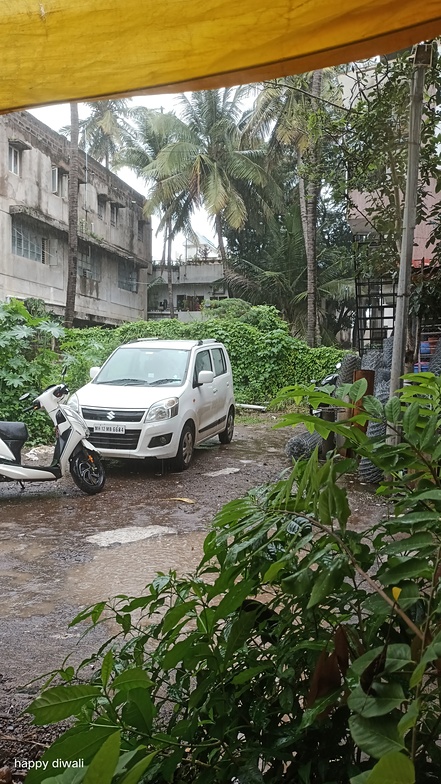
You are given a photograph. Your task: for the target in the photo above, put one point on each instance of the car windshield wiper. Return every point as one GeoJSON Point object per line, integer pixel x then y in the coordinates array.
{"type": "Point", "coordinates": [163, 381]}
{"type": "Point", "coordinates": [126, 382]}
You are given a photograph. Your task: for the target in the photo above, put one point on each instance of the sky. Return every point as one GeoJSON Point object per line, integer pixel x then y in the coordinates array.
{"type": "Point", "coordinates": [59, 115]}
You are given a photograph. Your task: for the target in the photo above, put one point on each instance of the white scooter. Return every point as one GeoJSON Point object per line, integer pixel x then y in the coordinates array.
{"type": "Point", "coordinates": [73, 452]}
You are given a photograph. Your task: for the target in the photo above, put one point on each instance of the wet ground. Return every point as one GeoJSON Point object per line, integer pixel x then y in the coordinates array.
{"type": "Point", "coordinates": [61, 550]}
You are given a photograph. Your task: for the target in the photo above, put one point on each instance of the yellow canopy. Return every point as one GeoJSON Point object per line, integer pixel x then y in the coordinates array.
{"type": "Point", "coordinates": [62, 50]}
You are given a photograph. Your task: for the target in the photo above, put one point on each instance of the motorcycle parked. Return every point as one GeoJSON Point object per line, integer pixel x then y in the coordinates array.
{"type": "Point", "coordinates": [73, 452]}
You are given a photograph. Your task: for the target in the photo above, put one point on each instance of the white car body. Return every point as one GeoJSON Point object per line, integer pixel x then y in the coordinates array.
{"type": "Point", "coordinates": [145, 413]}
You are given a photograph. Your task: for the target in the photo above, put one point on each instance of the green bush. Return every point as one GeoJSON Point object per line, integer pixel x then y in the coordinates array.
{"type": "Point", "coordinates": [28, 363]}
{"type": "Point", "coordinates": [264, 357]}
{"type": "Point", "coordinates": [301, 651]}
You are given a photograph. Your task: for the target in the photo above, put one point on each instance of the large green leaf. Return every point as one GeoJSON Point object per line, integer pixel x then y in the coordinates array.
{"type": "Point", "coordinates": [410, 419]}
{"type": "Point", "coordinates": [373, 406]}
{"type": "Point", "coordinates": [233, 599]}
{"type": "Point", "coordinates": [238, 634]}
{"type": "Point", "coordinates": [409, 719]}
{"type": "Point", "coordinates": [357, 389]}
{"type": "Point", "coordinates": [106, 668]}
{"type": "Point", "coordinates": [68, 776]}
{"type": "Point", "coordinates": [393, 768]}
{"type": "Point", "coordinates": [102, 766]}
{"type": "Point", "coordinates": [135, 774]}
{"type": "Point", "coordinates": [61, 702]}
{"type": "Point", "coordinates": [179, 651]}
{"type": "Point", "coordinates": [409, 543]}
{"type": "Point", "coordinates": [134, 678]}
{"type": "Point", "coordinates": [392, 410]}
{"type": "Point", "coordinates": [77, 743]}
{"type": "Point", "coordinates": [327, 580]}
{"type": "Point", "coordinates": [432, 652]}
{"type": "Point", "coordinates": [361, 778]}
{"type": "Point", "coordinates": [138, 710]}
{"type": "Point", "coordinates": [387, 697]}
{"type": "Point", "coordinates": [398, 656]}
{"type": "Point", "coordinates": [408, 568]}
{"type": "Point", "coordinates": [176, 613]}
{"type": "Point", "coordinates": [376, 737]}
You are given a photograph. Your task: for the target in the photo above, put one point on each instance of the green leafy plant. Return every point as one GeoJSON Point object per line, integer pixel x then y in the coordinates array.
{"type": "Point", "coordinates": [301, 650]}
{"type": "Point", "coordinates": [28, 363]}
{"type": "Point", "coordinates": [263, 355]}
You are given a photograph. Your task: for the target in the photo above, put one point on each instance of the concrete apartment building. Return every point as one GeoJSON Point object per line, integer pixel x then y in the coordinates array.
{"type": "Point", "coordinates": [197, 277]}
{"type": "Point", "coordinates": [114, 248]}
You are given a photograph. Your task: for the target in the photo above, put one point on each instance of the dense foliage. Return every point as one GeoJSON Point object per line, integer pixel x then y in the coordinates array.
{"type": "Point", "coordinates": [27, 360]}
{"type": "Point", "coordinates": [300, 651]}
{"type": "Point", "coordinates": [263, 355]}
{"type": "Point", "coordinates": [35, 350]}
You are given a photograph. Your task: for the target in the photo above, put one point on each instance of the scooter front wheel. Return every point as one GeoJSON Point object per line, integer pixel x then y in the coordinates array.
{"type": "Point", "coordinates": [88, 472]}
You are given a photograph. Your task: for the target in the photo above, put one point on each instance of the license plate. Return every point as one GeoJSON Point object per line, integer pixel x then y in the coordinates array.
{"type": "Point", "coordinates": [109, 429]}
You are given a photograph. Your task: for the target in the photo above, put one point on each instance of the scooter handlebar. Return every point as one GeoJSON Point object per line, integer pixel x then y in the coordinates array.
{"type": "Point", "coordinates": [34, 407]}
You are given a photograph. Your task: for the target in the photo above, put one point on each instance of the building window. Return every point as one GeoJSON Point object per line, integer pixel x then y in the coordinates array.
{"type": "Point", "coordinates": [14, 160]}
{"type": "Point", "coordinates": [59, 181]}
{"type": "Point", "coordinates": [140, 230]}
{"type": "Point", "coordinates": [54, 181]}
{"type": "Point", "coordinates": [89, 263]}
{"type": "Point", "coordinates": [127, 276]}
{"type": "Point", "coordinates": [28, 243]}
{"type": "Point", "coordinates": [44, 250]}
{"type": "Point", "coordinates": [101, 208]}
{"type": "Point", "coordinates": [113, 214]}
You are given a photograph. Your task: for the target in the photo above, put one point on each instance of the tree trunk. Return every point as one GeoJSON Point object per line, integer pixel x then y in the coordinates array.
{"type": "Point", "coordinates": [171, 306]}
{"type": "Point", "coordinates": [72, 263]}
{"type": "Point", "coordinates": [220, 238]}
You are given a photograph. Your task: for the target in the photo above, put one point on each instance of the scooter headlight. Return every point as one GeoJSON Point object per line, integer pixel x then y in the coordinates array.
{"type": "Point", "coordinates": [74, 403]}
{"type": "Point", "coordinates": [163, 409]}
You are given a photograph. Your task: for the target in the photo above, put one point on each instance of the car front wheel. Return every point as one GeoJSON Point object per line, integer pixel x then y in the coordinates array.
{"type": "Point", "coordinates": [185, 450]}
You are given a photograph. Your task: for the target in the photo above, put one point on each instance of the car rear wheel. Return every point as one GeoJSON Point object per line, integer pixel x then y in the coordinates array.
{"type": "Point", "coordinates": [185, 451]}
{"type": "Point", "coordinates": [226, 436]}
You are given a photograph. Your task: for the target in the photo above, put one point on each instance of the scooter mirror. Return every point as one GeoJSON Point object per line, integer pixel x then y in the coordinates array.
{"type": "Point", "coordinates": [25, 396]}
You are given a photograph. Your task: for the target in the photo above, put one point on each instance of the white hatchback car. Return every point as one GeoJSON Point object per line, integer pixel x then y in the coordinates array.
{"type": "Point", "coordinates": [159, 398]}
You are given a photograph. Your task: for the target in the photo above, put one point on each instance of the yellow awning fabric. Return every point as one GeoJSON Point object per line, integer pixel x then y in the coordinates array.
{"type": "Point", "coordinates": [61, 50]}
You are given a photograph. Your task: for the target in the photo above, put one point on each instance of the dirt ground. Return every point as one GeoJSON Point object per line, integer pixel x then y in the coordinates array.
{"type": "Point", "coordinates": [61, 551]}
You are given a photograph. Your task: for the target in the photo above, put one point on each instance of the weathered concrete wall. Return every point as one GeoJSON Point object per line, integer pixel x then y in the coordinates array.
{"type": "Point", "coordinates": [27, 200]}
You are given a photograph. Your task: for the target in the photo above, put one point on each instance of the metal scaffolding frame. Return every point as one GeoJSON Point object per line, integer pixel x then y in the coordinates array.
{"type": "Point", "coordinates": [375, 314]}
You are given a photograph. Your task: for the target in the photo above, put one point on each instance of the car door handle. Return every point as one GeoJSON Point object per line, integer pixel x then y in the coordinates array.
{"type": "Point", "coordinates": [214, 391]}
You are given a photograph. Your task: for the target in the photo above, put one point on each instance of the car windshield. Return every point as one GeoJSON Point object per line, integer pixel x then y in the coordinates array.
{"type": "Point", "coordinates": [144, 367]}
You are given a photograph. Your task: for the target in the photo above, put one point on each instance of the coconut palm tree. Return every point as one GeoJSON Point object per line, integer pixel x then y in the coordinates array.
{"type": "Point", "coordinates": [289, 113]}
{"type": "Point", "coordinates": [105, 131]}
{"type": "Point", "coordinates": [206, 164]}
{"type": "Point", "coordinates": [276, 273]}
{"type": "Point", "coordinates": [154, 130]}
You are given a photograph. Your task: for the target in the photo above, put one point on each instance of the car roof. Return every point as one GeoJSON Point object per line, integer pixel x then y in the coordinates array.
{"type": "Point", "coordinates": [186, 345]}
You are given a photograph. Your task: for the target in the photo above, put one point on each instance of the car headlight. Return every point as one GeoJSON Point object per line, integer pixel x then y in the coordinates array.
{"type": "Point", "coordinates": [163, 409]}
{"type": "Point", "coordinates": [74, 403]}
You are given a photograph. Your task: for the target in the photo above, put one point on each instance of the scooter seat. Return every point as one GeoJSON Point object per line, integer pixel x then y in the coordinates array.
{"type": "Point", "coordinates": [13, 431]}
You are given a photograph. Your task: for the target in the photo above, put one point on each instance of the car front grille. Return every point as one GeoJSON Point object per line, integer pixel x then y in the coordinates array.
{"type": "Point", "coordinates": [127, 440]}
{"type": "Point", "coordinates": [116, 414]}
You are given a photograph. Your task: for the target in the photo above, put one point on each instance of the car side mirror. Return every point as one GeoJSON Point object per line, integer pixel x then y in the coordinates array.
{"type": "Point", "coordinates": [205, 377]}
{"type": "Point", "coordinates": [94, 372]}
